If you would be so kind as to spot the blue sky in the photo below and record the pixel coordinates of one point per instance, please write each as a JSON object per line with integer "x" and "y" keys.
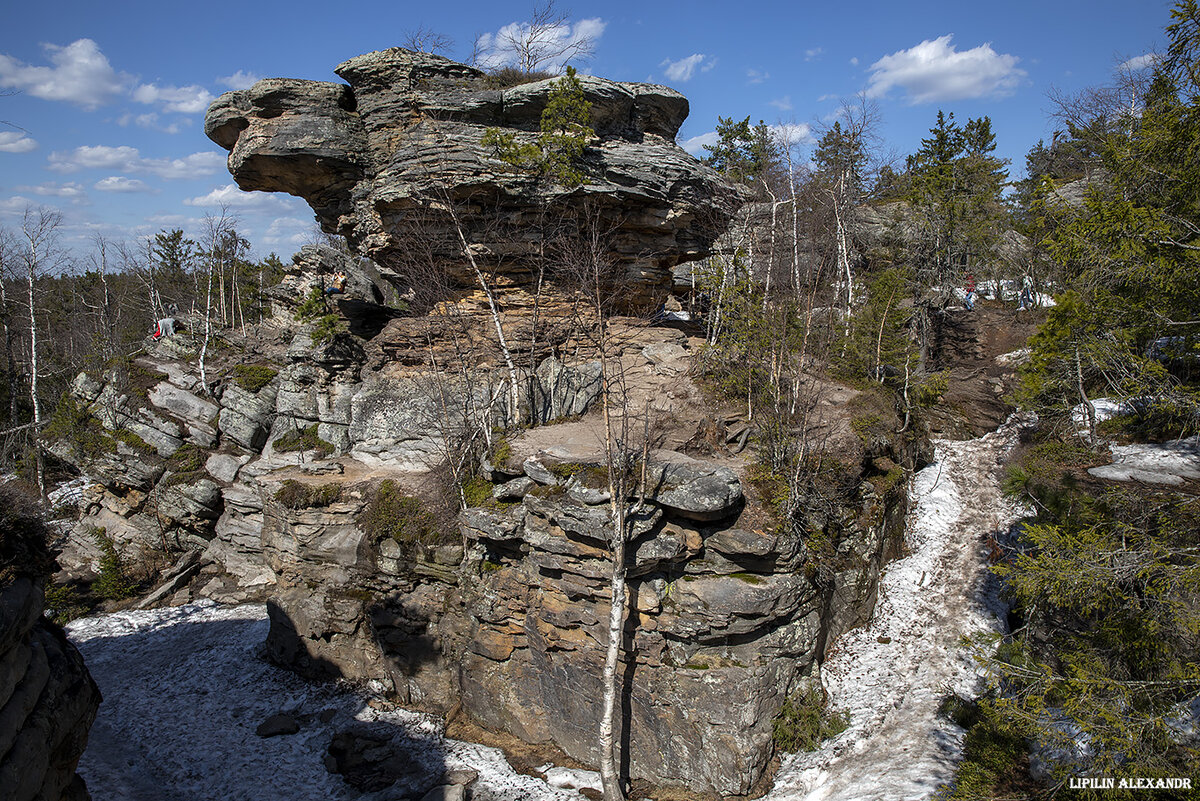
{"x": 105, "y": 101}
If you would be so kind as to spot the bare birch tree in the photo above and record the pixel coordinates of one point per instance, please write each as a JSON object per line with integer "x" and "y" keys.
{"x": 40, "y": 231}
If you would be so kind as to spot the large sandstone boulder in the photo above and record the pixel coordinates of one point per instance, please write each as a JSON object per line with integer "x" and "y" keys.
{"x": 47, "y": 698}
{"x": 379, "y": 158}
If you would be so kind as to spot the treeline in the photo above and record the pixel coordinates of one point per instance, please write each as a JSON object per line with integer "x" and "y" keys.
{"x": 61, "y": 313}
{"x": 837, "y": 267}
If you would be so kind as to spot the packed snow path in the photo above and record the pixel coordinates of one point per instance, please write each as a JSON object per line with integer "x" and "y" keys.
{"x": 184, "y": 690}
{"x": 891, "y": 675}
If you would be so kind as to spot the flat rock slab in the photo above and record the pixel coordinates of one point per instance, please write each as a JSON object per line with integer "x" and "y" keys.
{"x": 1169, "y": 463}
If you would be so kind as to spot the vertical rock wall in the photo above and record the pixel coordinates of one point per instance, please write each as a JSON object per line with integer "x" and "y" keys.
{"x": 47, "y": 698}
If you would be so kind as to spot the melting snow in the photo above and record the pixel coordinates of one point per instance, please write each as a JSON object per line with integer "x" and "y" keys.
{"x": 892, "y": 674}
{"x": 184, "y": 689}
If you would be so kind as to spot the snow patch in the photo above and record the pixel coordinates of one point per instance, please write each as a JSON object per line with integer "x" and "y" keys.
{"x": 1154, "y": 463}
{"x": 184, "y": 689}
{"x": 569, "y": 778}
{"x": 892, "y": 674}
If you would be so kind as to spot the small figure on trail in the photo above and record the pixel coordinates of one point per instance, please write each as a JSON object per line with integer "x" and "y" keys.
{"x": 1026, "y": 296}
{"x": 164, "y": 328}
{"x": 969, "y": 298}
{"x": 338, "y": 285}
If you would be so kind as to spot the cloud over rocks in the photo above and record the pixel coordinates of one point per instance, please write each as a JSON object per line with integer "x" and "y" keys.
{"x": 682, "y": 70}
{"x": 695, "y": 145}
{"x": 934, "y": 71}
{"x": 128, "y": 159}
{"x": 562, "y": 41}
{"x": 240, "y": 79}
{"x": 190, "y": 99}
{"x": 79, "y": 74}
{"x": 230, "y": 196}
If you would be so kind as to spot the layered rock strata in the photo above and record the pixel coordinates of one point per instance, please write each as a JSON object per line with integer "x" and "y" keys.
{"x": 383, "y": 158}
{"x": 47, "y": 697}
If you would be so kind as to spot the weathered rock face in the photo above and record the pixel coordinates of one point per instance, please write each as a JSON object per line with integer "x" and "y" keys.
{"x": 47, "y": 698}
{"x": 379, "y": 159}
{"x": 513, "y": 628}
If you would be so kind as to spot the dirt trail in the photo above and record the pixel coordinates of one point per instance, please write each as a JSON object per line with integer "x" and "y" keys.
{"x": 891, "y": 674}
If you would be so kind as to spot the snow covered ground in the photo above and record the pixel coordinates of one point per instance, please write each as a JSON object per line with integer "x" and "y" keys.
{"x": 892, "y": 674}
{"x": 184, "y": 691}
{"x": 1170, "y": 462}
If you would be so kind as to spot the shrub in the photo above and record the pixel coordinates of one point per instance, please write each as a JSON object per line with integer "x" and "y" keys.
{"x": 73, "y": 423}
{"x": 312, "y": 306}
{"x": 64, "y": 603}
{"x": 298, "y": 495}
{"x": 303, "y": 439}
{"x": 477, "y": 491}
{"x": 505, "y": 77}
{"x": 327, "y": 326}
{"x": 994, "y": 755}
{"x": 114, "y": 582}
{"x": 253, "y": 377}
{"x": 805, "y": 720}
{"x": 391, "y": 513}
{"x": 134, "y": 441}
{"x": 186, "y": 466}
{"x": 23, "y": 549}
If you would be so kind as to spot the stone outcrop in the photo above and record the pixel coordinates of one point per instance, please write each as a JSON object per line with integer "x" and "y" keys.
{"x": 511, "y": 630}
{"x": 47, "y": 698}
{"x": 380, "y": 157}
{"x": 268, "y": 462}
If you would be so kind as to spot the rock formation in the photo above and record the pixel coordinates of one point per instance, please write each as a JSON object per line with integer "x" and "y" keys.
{"x": 47, "y": 698}
{"x": 381, "y": 158}
{"x": 274, "y": 465}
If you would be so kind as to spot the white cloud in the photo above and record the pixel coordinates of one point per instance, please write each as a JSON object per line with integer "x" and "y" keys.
{"x": 696, "y": 144}
{"x": 791, "y": 133}
{"x": 934, "y": 71}
{"x": 756, "y": 76}
{"x": 813, "y": 53}
{"x": 191, "y": 99}
{"x": 15, "y": 204}
{"x": 683, "y": 69}
{"x": 854, "y": 61}
{"x": 1141, "y": 62}
{"x": 289, "y": 231}
{"x": 234, "y": 198}
{"x": 782, "y": 103}
{"x": 119, "y": 183}
{"x": 71, "y": 190}
{"x": 823, "y": 98}
{"x": 240, "y": 80}
{"x": 501, "y": 48}
{"x": 81, "y": 75}
{"x": 128, "y": 159}
{"x": 13, "y": 142}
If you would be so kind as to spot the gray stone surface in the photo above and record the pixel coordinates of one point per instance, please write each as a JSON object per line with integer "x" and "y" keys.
{"x": 48, "y": 700}
{"x": 409, "y": 127}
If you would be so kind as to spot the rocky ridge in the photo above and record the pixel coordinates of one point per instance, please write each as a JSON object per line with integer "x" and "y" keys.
{"x": 505, "y": 620}
{"x": 271, "y": 462}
